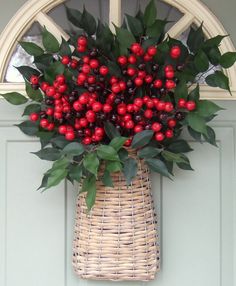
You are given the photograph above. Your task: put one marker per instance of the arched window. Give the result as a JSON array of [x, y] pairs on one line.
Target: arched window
[[36, 13]]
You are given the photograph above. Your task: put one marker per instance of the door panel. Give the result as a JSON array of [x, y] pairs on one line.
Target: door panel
[[195, 210]]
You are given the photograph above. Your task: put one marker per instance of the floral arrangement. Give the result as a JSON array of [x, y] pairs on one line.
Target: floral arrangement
[[95, 96]]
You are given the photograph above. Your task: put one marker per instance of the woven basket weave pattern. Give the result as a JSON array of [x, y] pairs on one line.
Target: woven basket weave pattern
[[118, 239]]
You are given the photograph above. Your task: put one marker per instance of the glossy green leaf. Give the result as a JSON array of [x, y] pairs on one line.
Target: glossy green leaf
[[228, 59], [32, 49], [27, 72], [218, 79], [91, 163], [158, 166], [55, 177], [142, 138], [45, 137], [150, 13], [125, 39], [130, 170], [110, 130], [35, 95], [14, 98], [195, 39], [206, 108], [91, 192], [49, 154], [196, 122], [28, 127], [149, 152], [64, 48], [196, 135], [210, 137], [59, 142], [135, 25], [74, 16], [75, 172], [157, 29], [118, 142], [113, 166], [107, 179], [195, 94], [32, 108], [50, 43], [88, 23], [213, 42], [53, 70], [173, 157], [107, 152], [201, 61], [179, 146], [74, 149], [181, 90]]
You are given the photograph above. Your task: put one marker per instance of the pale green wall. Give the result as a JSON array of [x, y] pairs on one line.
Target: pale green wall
[[225, 11]]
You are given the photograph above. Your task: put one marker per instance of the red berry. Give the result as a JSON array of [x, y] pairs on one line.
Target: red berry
[[60, 79], [44, 123], [175, 52], [130, 108], [51, 126], [169, 133], [190, 105], [77, 106], [158, 83], [82, 40], [170, 84], [159, 136], [168, 68], [152, 50], [135, 48], [86, 59], [149, 103], [169, 107], [81, 78], [131, 71], [138, 81], [121, 109], [132, 59], [127, 117], [87, 140], [122, 60], [148, 113], [147, 58], [156, 126], [138, 102], [129, 124], [83, 122], [74, 64], [90, 115], [138, 128], [182, 103], [70, 135], [128, 142], [62, 129], [141, 74], [44, 85], [34, 116], [116, 88], [91, 79], [160, 105], [107, 108], [57, 115], [65, 60], [62, 88], [99, 131], [49, 111], [94, 64], [148, 79], [50, 91], [103, 70], [34, 79], [84, 98], [113, 80], [97, 106], [81, 49], [171, 123], [122, 85], [170, 74], [86, 68]]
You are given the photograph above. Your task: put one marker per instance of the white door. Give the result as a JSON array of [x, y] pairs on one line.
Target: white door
[[196, 211]]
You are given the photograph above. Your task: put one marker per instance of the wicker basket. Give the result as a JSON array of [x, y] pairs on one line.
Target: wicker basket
[[118, 239]]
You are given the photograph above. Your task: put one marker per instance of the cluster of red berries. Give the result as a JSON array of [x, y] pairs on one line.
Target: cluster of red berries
[[79, 109]]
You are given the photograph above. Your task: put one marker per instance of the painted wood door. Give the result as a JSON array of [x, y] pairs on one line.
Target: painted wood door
[[196, 211]]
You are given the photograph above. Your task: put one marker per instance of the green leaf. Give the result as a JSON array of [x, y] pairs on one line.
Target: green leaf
[[28, 127], [104, 37], [206, 108], [49, 154], [64, 48], [149, 152], [44, 181], [125, 39], [35, 95], [228, 59], [75, 172], [55, 177], [213, 42], [53, 70], [113, 166], [218, 79], [123, 154], [14, 98], [181, 90], [91, 163], [210, 137], [201, 61], [107, 152], [196, 122], [157, 29], [195, 39], [130, 170], [117, 142], [179, 146], [150, 13], [74, 149], [195, 94], [173, 157], [196, 135], [214, 56], [45, 137], [142, 138], [107, 179], [61, 163], [59, 142], [74, 16], [32, 49], [90, 185], [44, 61], [88, 23], [135, 25], [50, 43], [27, 72], [185, 165], [158, 166], [110, 130], [32, 108]]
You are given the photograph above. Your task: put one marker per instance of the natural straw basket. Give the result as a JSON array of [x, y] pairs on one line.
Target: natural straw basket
[[118, 239]]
